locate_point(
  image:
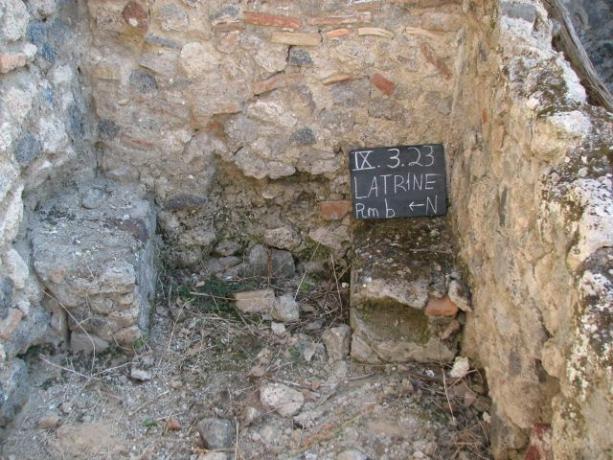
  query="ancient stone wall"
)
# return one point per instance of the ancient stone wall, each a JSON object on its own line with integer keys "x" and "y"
{"x": 239, "y": 116}
{"x": 46, "y": 140}
{"x": 532, "y": 193}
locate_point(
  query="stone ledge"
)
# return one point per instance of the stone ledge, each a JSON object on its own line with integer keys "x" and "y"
{"x": 93, "y": 249}
{"x": 400, "y": 269}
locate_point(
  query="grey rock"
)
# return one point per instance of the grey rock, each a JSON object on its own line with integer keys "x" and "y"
{"x": 337, "y": 341}
{"x": 13, "y": 389}
{"x": 216, "y": 433}
{"x": 140, "y": 374}
{"x": 258, "y": 260}
{"x": 87, "y": 343}
{"x": 282, "y": 238}
{"x": 6, "y": 295}
{"x": 308, "y": 348}
{"x": 157, "y": 40}
{"x": 227, "y": 248}
{"x": 32, "y": 330}
{"x": 225, "y": 15}
{"x": 286, "y": 309}
{"x": 76, "y": 121}
{"x": 303, "y": 136}
{"x": 218, "y": 265}
{"x": 299, "y": 56}
{"x": 143, "y": 81}
{"x": 281, "y": 398}
{"x": 41, "y": 9}
{"x": 185, "y": 202}
{"x": 282, "y": 263}
{"x": 257, "y": 301}
{"x": 27, "y": 149}
{"x": 108, "y": 129}
{"x": 93, "y": 198}
{"x": 13, "y": 21}
{"x": 524, "y": 11}
{"x": 49, "y": 422}
{"x": 172, "y": 18}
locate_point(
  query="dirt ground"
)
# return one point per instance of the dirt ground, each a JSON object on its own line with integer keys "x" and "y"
{"x": 203, "y": 359}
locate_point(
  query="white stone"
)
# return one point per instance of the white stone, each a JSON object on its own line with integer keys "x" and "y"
{"x": 272, "y": 111}
{"x": 460, "y": 368}
{"x": 87, "y": 343}
{"x": 282, "y": 238}
{"x": 595, "y": 226}
{"x": 331, "y": 237}
{"x": 457, "y": 294}
{"x": 16, "y": 268}
{"x": 283, "y": 399}
{"x": 277, "y": 328}
{"x": 257, "y": 301}
{"x": 337, "y": 341}
{"x": 286, "y": 309}
{"x": 199, "y": 58}
{"x": 14, "y": 21}
{"x": 574, "y": 123}
{"x": 53, "y": 134}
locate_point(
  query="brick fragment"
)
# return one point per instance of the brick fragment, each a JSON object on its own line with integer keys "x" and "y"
{"x": 436, "y": 61}
{"x": 11, "y": 61}
{"x": 375, "y": 31}
{"x": 337, "y": 33}
{"x": 278, "y": 81}
{"x": 441, "y": 307}
{"x": 365, "y": 16}
{"x": 136, "y": 16}
{"x": 334, "y": 210}
{"x": 272, "y": 20}
{"x": 336, "y": 78}
{"x": 384, "y": 85}
{"x": 296, "y": 38}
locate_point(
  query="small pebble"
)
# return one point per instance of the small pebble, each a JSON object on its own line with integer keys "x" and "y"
{"x": 49, "y": 422}
{"x": 140, "y": 375}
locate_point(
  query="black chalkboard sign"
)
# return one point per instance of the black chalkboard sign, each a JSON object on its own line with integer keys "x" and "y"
{"x": 401, "y": 181}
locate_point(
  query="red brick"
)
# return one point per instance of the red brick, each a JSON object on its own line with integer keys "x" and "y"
{"x": 436, "y": 61}
{"x": 136, "y": 16}
{"x": 441, "y": 307}
{"x": 337, "y": 33}
{"x": 172, "y": 424}
{"x": 383, "y": 84}
{"x": 334, "y": 210}
{"x": 272, "y": 20}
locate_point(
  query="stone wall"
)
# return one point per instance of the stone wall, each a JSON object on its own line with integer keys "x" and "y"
{"x": 531, "y": 187}
{"x": 239, "y": 116}
{"x": 45, "y": 142}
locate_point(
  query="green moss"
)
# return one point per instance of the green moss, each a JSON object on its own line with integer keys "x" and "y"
{"x": 389, "y": 319}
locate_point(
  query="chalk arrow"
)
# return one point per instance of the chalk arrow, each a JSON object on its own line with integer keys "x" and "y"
{"x": 413, "y": 205}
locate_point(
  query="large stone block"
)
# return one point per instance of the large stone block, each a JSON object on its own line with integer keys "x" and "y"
{"x": 93, "y": 249}
{"x": 399, "y": 269}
